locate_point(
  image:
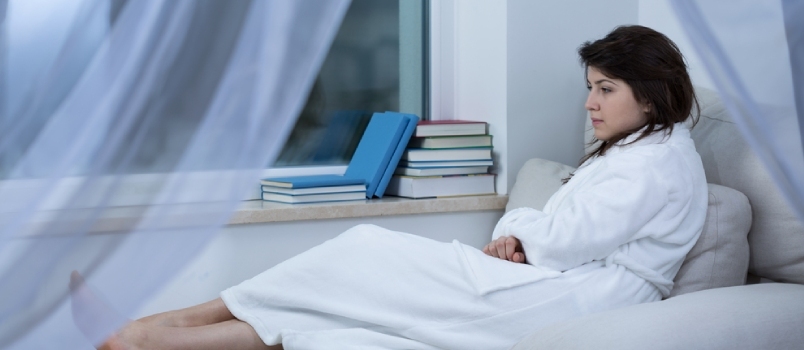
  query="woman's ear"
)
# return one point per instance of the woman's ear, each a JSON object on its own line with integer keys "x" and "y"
{"x": 646, "y": 108}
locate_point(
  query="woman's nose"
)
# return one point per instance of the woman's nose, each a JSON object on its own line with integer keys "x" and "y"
{"x": 591, "y": 104}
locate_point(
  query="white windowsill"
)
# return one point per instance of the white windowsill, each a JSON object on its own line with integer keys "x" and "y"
{"x": 121, "y": 219}
{"x": 254, "y": 212}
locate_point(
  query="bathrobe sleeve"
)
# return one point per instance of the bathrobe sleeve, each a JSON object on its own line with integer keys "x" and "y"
{"x": 609, "y": 209}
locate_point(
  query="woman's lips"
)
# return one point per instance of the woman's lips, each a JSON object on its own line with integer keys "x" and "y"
{"x": 595, "y": 122}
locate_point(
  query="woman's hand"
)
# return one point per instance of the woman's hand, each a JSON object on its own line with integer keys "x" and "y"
{"x": 506, "y": 248}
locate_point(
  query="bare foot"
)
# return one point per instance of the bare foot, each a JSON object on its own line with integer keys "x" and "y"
{"x": 132, "y": 337}
{"x": 93, "y": 316}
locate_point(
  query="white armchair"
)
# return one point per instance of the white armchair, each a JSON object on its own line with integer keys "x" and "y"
{"x": 750, "y": 236}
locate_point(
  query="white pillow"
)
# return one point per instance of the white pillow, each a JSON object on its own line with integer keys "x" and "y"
{"x": 720, "y": 257}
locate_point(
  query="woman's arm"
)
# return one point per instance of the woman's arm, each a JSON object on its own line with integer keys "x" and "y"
{"x": 609, "y": 210}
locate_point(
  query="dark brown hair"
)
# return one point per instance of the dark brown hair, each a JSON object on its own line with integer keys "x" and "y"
{"x": 652, "y": 65}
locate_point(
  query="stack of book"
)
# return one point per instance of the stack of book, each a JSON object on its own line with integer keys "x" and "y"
{"x": 368, "y": 174}
{"x": 445, "y": 158}
{"x": 319, "y": 189}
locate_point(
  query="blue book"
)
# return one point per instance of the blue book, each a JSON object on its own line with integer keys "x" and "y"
{"x": 373, "y": 153}
{"x": 413, "y": 120}
{"x": 369, "y": 163}
{"x": 311, "y": 181}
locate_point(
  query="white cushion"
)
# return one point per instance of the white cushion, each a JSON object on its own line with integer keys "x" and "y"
{"x": 536, "y": 182}
{"x": 760, "y": 316}
{"x": 720, "y": 257}
{"x": 777, "y": 236}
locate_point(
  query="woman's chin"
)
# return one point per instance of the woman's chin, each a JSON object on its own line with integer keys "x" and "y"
{"x": 602, "y": 137}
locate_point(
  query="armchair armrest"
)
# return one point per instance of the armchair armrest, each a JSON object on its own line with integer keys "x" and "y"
{"x": 760, "y": 316}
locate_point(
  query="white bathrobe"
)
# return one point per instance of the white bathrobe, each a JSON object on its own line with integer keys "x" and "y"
{"x": 614, "y": 235}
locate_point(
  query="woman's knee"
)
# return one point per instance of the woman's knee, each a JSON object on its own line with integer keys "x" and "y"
{"x": 366, "y": 233}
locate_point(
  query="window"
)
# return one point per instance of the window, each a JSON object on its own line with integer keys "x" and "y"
{"x": 376, "y": 63}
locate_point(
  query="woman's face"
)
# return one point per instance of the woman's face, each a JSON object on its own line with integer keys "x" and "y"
{"x": 612, "y": 106}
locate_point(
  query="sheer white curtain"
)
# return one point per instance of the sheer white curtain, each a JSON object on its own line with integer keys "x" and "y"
{"x": 129, "y": 132}
{"x": 754, "y": 53}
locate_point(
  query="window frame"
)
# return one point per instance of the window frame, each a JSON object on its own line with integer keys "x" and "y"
{"x": 466, "y": 74}
{"x": 426, "y": 95}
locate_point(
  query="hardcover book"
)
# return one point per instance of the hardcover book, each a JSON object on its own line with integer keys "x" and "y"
{"x": 409, "y": 164}
{"x": 400, "y": 149}
{"x": 441, "y": 186}
{"x": 441, "y": 171}
{"x": 376, "y": 148}
{"x": 434, "y": 155}
{"x": 450, "y": 141}
{"x": 312, "y": 181}
{"x": 315, "y": 190}
{"x": 312, "y": 198}
{"x": 450, "y": 128}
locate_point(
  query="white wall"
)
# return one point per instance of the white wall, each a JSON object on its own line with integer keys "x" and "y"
{"x": 514, "y": 64}
{"x": 546, "y": 91}
{"x": 546, "y": 86}
{"x": 469, "y": 69}
{"x": 659, "y": 15}
{"x": 480, "y": 73}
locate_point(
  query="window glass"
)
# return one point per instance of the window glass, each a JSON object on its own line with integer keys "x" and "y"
{"x": 374, "y": 65}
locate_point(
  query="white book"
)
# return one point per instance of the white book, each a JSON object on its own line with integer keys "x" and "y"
{"x": 450, "y": 141}
{"x": 407, "y": 164}
{"x": 312, "y": 198}
{"x": 314, "y": 190}
{"x": 441, "y": 171}
{"x": 422, "y": 154}
{"x": 450, "y": 128}
{"x": 441, "y": 186}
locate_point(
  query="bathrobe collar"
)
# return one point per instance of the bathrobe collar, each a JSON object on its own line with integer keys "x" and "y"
{"x": 680, "y": 131}
{"x": 655, "y": 137}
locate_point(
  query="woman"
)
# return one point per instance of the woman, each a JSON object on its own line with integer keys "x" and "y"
{"x": 614, "y": 235}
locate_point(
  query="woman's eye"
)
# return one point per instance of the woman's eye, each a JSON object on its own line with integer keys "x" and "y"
{"x": 605, "y": 89}
{"x": 589, "y": 87}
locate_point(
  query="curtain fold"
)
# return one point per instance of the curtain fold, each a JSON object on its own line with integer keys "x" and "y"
{"x": 134, "y": 141}
{"x": 754, "y": 53}
{"x": 794, "y": 30}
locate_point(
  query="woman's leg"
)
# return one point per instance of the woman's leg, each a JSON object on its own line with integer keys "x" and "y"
{"x": 231, "y": 334}
{"x": 211, "y": 312}
{"x": 217, "y": 328}
{"x": 214, "y": 311}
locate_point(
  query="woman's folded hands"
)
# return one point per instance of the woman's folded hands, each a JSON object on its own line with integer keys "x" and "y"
{"x": 506, "y": 248}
